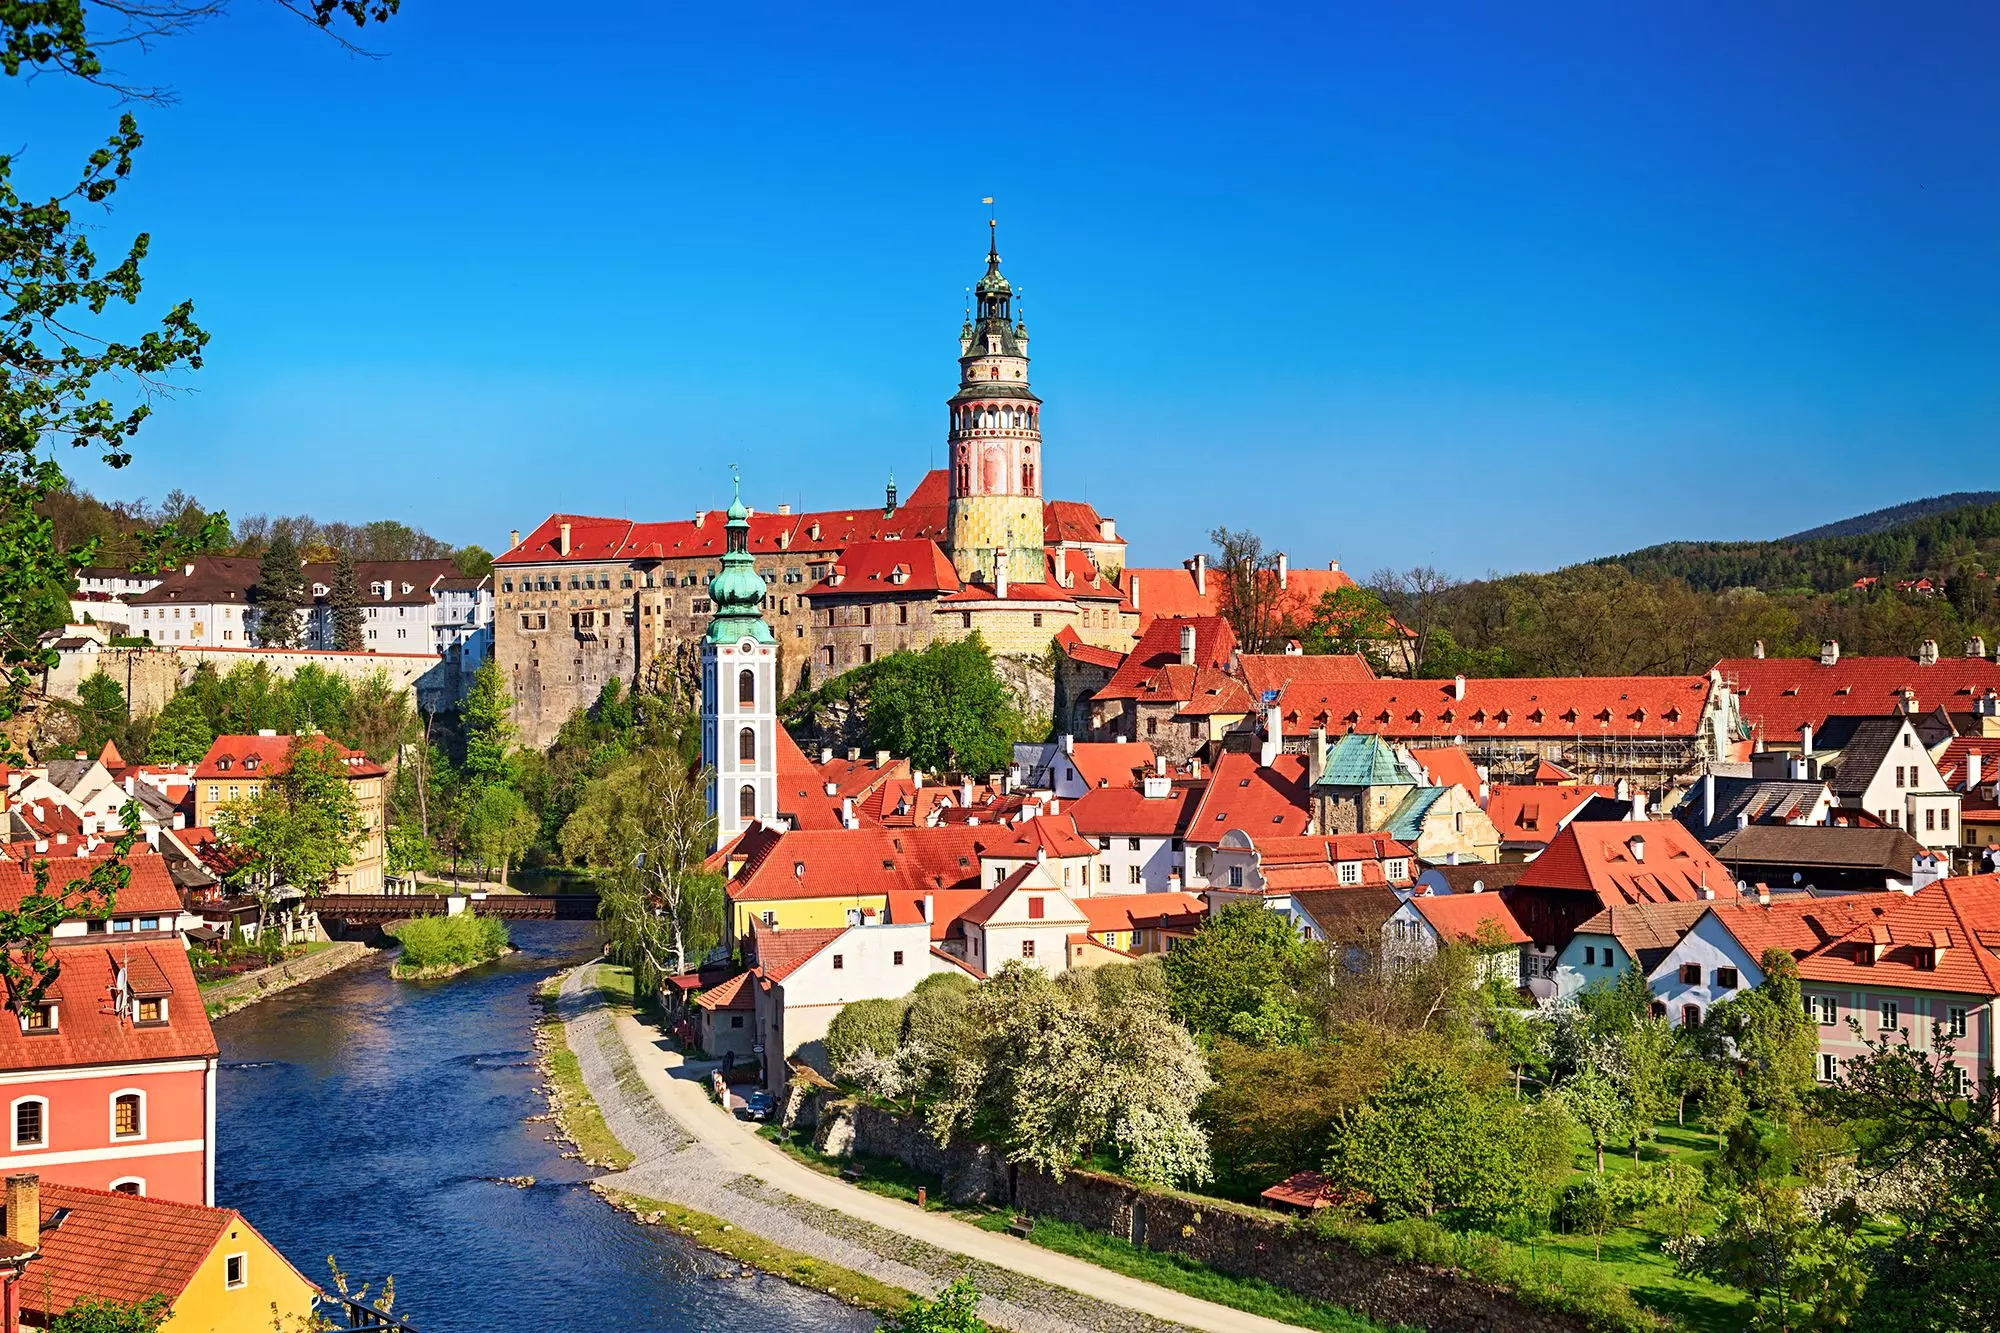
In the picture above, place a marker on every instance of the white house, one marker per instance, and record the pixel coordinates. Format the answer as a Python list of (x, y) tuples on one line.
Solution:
[(1026, 916), (1631, 934), (462, 620), (804, 978), (1882, 766), (1719, 955), (1423, 924), (1139, 833)]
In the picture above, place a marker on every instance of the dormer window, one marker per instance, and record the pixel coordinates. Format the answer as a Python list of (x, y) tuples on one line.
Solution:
[(42, 1017), (224, 763), (150, 1011)]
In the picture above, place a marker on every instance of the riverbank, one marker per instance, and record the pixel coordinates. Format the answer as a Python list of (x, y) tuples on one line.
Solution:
[(690, 1153), (226, 997)]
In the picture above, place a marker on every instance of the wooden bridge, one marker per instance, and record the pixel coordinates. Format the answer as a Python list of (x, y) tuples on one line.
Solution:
[(364, 908)]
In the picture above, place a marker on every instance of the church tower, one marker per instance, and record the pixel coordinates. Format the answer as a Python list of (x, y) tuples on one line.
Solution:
[(739, 691), (996, 441)]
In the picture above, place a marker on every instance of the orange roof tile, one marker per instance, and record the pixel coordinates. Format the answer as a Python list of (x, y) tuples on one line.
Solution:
[(780, 953), (841, 863), (1466, 916), (1778, 695), (947, 906), (1126, 812), (1172, 592), (1533, 815), (1108, 763), (1448, 766), (1602, 858), (1160, 646), (1073, 646), (881, 567), (1963, 913), (90, 1031), (148, 887), (1263, 802), (1135, 911), (801, 789), (1529, 706), (731, 994), (1265, 673), (252, 757)]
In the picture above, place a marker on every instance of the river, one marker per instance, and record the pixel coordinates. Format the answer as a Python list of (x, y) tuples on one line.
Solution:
[(358, 1117)]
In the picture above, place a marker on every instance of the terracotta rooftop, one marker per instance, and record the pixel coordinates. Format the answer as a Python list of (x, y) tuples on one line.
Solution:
[(1160, 646), (1559, 706), (91, 1031), (1263, 802), (1778, 695), (1627, 862), (1962, 915), (1468, 916), (252, 758)]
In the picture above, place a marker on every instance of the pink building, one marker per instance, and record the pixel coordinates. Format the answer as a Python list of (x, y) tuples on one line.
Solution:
[(109, 1078), (1927, 962)]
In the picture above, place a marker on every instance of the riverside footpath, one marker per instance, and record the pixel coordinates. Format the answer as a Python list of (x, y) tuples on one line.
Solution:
[(691, 1152)]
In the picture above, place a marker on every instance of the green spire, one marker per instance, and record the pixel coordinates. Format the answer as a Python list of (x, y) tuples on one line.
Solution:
[(738, 593)]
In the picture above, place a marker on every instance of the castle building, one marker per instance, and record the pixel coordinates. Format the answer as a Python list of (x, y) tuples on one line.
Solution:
[(976, 546), (739, 689)]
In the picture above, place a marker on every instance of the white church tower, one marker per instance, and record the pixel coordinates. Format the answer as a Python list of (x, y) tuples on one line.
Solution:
[(739, 691)]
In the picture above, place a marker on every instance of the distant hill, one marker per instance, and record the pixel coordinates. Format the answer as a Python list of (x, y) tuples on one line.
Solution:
[(1881, 520), (1935, 538)]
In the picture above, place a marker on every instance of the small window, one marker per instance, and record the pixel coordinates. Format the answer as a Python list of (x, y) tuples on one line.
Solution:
[(1035, 912), (839, 963), (1590, 955), (1236, 877), (1725, 978), (1350, 872), (126, 1122), (1133, 875), (30, 1122), (1690, 974), (1824, 1009), (736, 1020), (1892, 1016), (1954, 1023), (746, 803), (1131, 844), (1038, 620), (1829, 1067), (746, 746), (897, 960), (233, 1269), (770, 918), (1690, 1015), (129, 1185), (1027, 948), (40, 1018), (149, 1011)]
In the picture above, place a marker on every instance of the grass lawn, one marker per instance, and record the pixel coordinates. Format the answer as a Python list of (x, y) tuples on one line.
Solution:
[(712, 1233), (1632, 1254), (893, 1180), (575, 1109), (617, 985)]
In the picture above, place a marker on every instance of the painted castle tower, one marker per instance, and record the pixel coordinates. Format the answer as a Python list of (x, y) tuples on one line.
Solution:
[(739, 691), (996, 441)]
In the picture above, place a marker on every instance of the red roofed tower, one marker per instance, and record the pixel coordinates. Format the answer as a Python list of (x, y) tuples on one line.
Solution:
[(995, 441)]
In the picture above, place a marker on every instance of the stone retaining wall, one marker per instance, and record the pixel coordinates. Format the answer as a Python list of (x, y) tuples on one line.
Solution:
[(254, 986), (1228, 1237)]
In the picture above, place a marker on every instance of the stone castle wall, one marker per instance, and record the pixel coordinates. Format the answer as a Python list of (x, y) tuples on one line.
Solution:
[(151, 676)]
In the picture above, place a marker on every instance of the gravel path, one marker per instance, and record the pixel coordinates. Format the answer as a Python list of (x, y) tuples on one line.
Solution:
[(692, 1153)]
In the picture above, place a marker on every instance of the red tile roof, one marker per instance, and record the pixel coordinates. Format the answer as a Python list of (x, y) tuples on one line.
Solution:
[(1560, 706), (1600, 858), (1088, 653), (1017, 881), (1172, 592), (1778, 695), (148, 887), (1055, 834), (1264, 673), (1136, 911), (1799, 923), (1466, 916), (855, 778), (1963, 914), (801, 789), (1263, 802), (842, 863), (252, 757), (783, 952), (1550, 774), (121, 1247), (1126, 812), (1306, 864), (89, 1031), (1072, 521), (1109, 763), (1049, 591), (1535, 814), (731, 994), (879, 568), (1448, 766), (947, 906), (1160, 646)]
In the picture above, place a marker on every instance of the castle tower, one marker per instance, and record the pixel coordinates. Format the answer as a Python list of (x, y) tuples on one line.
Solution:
[(996, 440), (739, 691)]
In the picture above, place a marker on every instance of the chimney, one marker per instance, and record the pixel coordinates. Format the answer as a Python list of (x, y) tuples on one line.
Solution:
[(1707, 799), (1333, 566), (1975, 646), (24, 1209), (1458, 687), (513, 539), (1201, 575), (1805, 737), (1000, 572), (1639, 806), (1132, 589), (930, 910), (965, 791), (562, 543), (1274, 736), (826, 754), (1159, 765), (1284, 569), (881, 759), (1187, 645), (1927, 653), (917, 778), (847, 819), (853, 754), (784, 511), (1971, 770), (1757, 650), (1623, 790), (1763, 894), (1316, 763), (188, 569), (1829, 652)]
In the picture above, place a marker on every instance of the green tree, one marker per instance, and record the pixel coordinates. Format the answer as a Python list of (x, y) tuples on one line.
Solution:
[(1429, 1142), (956, 1310), (474, 562), (1349, 620), (1597, 1103), (181, 733), (1775, 1040), (93, 1314), (1649, 1062), (280, 594), (1805, 1269), (644, 827), (303, 826), (345, 602), (489, 727), (864, 1031), (1517, 1036), (407, 850), (100, 712), (1241, 976), (945, 708), (499, 826)]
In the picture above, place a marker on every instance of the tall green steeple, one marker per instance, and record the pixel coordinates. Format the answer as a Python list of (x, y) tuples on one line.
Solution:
[(738, 593)]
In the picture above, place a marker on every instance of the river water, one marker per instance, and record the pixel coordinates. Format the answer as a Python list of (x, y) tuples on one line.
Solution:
[(358, 1117)]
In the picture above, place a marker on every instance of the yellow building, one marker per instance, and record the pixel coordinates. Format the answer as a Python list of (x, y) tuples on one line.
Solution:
[(216, 1274), (812, 878), (237, 767)]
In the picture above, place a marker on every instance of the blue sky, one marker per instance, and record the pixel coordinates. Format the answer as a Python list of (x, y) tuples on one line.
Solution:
[(1479, 285)]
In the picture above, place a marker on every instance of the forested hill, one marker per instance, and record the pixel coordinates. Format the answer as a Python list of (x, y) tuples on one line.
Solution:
[(1940, 544), (1881, 520)]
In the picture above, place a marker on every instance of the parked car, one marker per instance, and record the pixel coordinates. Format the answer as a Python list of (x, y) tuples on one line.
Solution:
[(759, 1105)]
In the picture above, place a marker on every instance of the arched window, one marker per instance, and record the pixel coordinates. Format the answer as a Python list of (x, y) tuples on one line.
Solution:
[(128, 1115), (1028, 478), (746, 802), (31, 1122), (1690, 1015), (746, 746), (746, 687), (129, 1185)]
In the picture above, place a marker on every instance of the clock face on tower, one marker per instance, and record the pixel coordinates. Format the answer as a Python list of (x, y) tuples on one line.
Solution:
[(747, 646)]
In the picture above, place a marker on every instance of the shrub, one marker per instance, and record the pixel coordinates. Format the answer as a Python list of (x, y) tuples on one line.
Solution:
[(436, 942), (866, 1027)]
